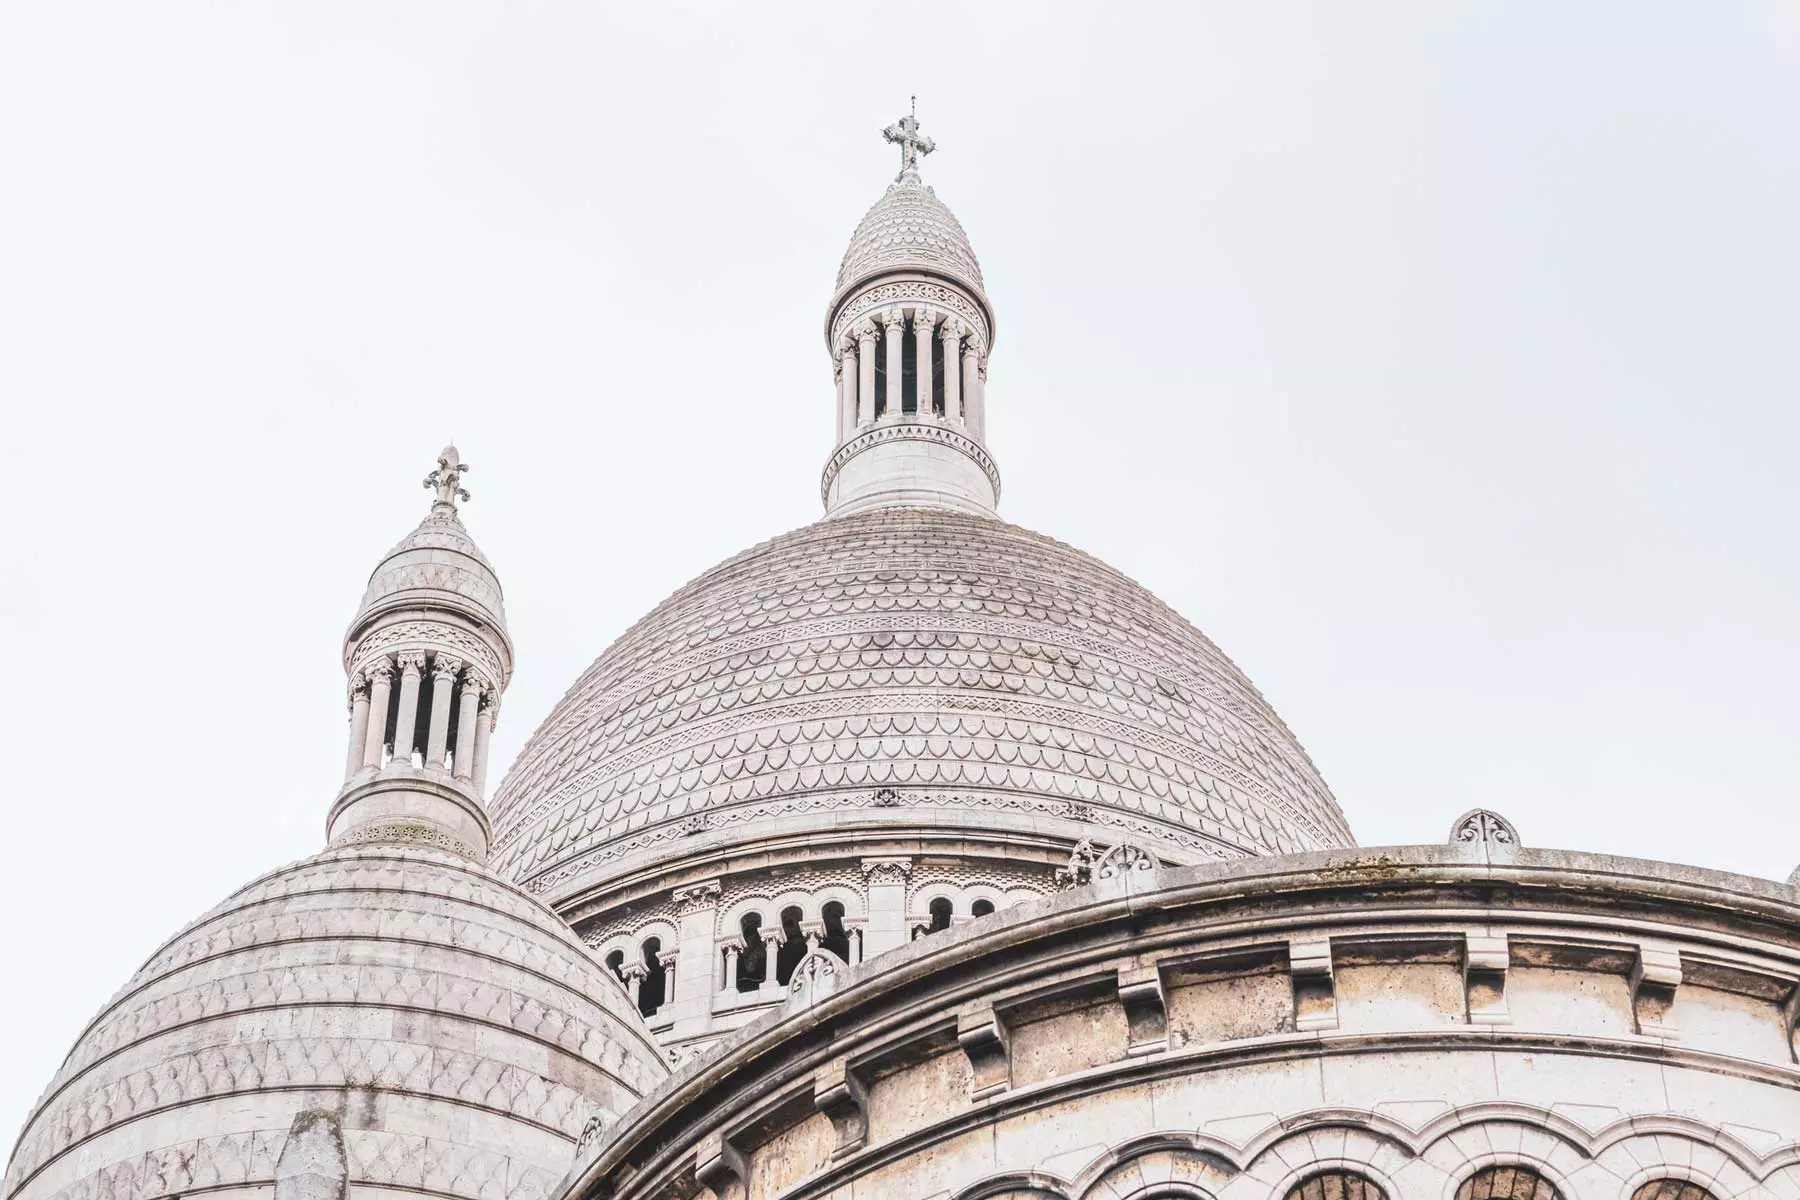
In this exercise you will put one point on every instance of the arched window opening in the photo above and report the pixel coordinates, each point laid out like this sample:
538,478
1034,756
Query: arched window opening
981,908
1336,1185
837,938
650,991
880,378
940,910
793,946
753,963
937,376
1507,1183
909,370
615,962
1672,1189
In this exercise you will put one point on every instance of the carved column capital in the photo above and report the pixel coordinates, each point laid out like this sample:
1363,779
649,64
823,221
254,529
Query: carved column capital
893,318
923,315
412,660
887,870
697,896
381,670
865,330
950,330
443,667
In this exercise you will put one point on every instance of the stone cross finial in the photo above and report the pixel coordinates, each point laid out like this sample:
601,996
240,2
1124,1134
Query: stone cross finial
447,479
904,133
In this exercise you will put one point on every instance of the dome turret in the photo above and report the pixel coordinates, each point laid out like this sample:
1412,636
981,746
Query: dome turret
427,658
909,327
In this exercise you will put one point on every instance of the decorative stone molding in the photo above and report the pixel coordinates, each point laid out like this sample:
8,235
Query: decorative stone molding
838,1092
1146,1010
718,1164
817,975
913,427
1124,858
408,832
907,293
983,1037
1486,957
1315,988
697,897
1484,825
1655,978
886,871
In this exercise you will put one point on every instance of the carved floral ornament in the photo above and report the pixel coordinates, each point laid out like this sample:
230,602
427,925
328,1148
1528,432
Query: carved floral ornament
857,317
1088,863
1484,825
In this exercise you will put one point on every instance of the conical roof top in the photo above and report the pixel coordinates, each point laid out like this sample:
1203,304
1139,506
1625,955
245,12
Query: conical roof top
910,228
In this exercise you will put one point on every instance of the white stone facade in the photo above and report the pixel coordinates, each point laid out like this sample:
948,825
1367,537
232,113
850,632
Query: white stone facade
948,863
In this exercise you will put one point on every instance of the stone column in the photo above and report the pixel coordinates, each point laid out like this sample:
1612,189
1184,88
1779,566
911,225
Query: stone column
973,397
895,321
634,973
846,381
887,904
924,320
771,984
465,726
484,728
381,685
733,950
951,334
865,373
359,726
667,960
412,664
444,670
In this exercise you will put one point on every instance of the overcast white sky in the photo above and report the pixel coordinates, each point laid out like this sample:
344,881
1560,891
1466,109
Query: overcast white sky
1437,359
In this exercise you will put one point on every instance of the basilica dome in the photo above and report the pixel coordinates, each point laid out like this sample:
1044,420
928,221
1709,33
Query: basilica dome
921,667
909,228
452,1033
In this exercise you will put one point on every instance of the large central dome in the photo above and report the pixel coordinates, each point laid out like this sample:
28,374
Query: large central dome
914,666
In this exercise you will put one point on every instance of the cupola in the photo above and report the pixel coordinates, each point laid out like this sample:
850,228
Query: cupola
909,329
427,658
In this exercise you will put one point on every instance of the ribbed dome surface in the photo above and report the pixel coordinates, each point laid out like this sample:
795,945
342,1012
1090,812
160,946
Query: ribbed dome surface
438,562
909,227
954,662
460,1029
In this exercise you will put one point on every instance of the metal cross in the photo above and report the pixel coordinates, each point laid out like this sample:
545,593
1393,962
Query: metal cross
904,133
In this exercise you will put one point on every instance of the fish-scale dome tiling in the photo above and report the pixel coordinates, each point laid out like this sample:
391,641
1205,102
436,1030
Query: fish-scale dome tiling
412,979
437,564
967,663
909,228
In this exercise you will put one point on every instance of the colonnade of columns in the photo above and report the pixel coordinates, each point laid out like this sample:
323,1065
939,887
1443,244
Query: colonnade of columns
962,398
372,698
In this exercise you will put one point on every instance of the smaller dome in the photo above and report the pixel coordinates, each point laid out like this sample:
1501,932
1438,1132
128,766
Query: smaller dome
910,228
463,1034
436,565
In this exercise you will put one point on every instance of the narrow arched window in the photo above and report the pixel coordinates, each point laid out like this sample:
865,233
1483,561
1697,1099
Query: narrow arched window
940,910
1507,1183
837,938
753,963
615,962
1336,1185
981,908
793,945
1672,1189
650,991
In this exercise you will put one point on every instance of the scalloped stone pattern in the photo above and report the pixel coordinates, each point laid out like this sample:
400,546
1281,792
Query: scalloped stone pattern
909,227
918,658
442,1012
439,555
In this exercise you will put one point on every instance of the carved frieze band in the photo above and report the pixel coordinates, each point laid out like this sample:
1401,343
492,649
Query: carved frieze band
909,293
913,431
415,636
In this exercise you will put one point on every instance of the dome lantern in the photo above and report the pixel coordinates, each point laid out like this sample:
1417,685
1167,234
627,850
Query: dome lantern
427,657
909,328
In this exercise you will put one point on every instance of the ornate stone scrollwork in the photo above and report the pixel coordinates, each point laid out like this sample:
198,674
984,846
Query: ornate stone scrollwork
1088,862
1484,825
818,972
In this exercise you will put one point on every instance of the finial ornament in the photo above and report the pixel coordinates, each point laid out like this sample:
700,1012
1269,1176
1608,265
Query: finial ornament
447,479
905,134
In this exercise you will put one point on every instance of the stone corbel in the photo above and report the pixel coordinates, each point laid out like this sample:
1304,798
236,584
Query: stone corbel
1315,990
1146,1010
1655,978
838,1092
982,1035
718,1163
1486,957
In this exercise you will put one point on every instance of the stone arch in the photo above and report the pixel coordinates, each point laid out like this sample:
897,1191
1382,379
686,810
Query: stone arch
732,915
1177,1164
1016,1185
1337,1181
1668,1186
1508,1178
855,902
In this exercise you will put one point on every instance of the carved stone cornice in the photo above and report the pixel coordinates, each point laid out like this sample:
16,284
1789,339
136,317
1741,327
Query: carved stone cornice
910,430
909,293
425,637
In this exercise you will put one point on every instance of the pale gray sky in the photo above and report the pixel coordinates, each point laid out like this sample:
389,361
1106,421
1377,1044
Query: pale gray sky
1437,359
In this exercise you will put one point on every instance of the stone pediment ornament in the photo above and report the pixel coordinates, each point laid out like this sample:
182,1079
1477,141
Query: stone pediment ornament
817,975
1088,862
1484,825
